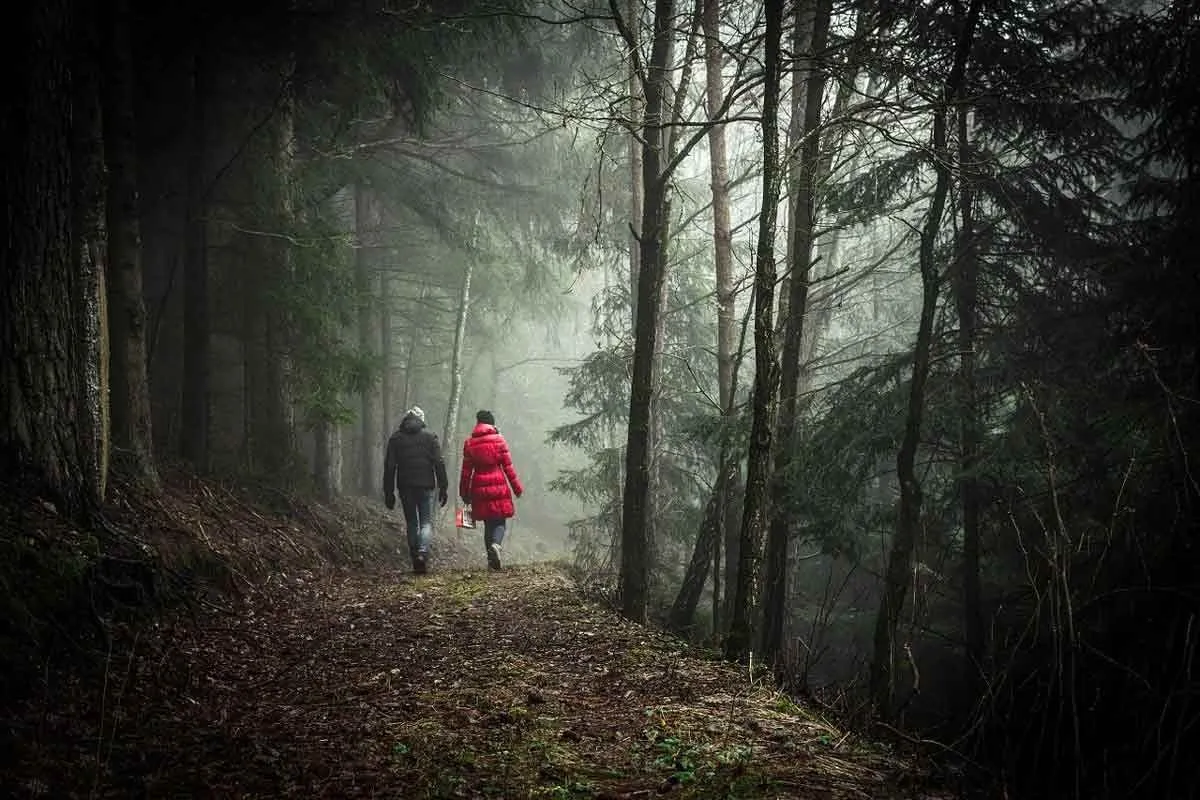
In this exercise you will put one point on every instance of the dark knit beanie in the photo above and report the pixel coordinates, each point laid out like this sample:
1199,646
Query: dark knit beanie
485,416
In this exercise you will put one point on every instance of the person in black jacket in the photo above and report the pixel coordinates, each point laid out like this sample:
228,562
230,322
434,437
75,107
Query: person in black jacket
414,469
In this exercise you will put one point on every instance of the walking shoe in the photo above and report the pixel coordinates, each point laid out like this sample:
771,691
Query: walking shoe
494,555
419,566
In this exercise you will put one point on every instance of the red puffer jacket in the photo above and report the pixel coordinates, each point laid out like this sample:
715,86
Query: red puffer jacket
487,472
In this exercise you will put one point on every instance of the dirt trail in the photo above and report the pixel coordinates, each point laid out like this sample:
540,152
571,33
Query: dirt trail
463,684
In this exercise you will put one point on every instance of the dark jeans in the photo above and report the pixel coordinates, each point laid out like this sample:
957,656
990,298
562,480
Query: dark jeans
493,533
417,505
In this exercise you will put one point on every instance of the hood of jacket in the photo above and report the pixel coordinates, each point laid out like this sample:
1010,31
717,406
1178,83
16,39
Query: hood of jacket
483,429
411,424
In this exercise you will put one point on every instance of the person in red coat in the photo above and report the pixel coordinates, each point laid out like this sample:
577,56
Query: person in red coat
487,475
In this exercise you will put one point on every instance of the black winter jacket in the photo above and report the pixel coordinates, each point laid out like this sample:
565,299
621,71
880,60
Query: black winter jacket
414,459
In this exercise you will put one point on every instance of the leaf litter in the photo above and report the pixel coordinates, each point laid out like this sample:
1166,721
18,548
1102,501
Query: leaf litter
345,676
459,684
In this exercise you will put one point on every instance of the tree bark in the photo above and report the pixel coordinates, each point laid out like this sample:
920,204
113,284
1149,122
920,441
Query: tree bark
716,517
811,33
651,283
49,411
370,421
636,194
450,428
713,527
898,571
270,445
723,263
131,423
327,467
743,626
89,237
708,538
194,427
387,393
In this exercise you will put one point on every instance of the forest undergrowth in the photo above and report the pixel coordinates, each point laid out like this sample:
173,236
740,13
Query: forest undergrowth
280,648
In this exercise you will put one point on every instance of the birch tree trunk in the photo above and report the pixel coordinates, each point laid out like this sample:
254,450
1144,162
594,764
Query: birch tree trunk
898,571
811,32
450,428
742,629
130,396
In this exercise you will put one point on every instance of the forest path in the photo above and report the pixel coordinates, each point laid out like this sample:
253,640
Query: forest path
459,684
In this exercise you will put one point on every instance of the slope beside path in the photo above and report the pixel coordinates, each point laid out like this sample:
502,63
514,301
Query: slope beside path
459,684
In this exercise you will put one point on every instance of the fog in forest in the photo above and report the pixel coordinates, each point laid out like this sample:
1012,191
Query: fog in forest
854,340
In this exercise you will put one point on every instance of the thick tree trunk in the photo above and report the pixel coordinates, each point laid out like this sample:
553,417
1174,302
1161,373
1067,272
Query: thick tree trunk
966,290
651,283
370,467
811,33
766,378
898,572
49,411
194,427
131,427
89,235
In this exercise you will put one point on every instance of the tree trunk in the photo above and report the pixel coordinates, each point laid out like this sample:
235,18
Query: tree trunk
651,283
683,610
723,263
327,467
811,29
898,571
387,394
966,291
269,414
450,427
194,426
48,428
637,199
410,363
131,427
89,236
717,616
766,378
636,196
708,541
369,467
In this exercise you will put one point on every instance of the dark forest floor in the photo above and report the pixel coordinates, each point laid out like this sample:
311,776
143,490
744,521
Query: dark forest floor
365,681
